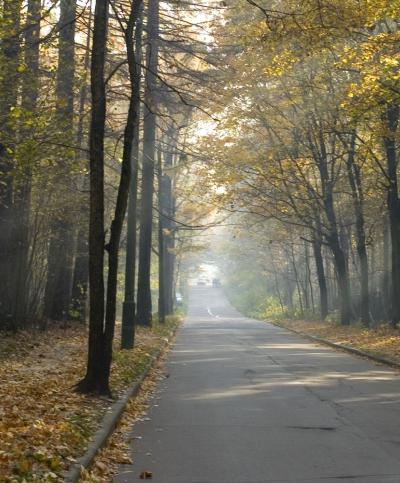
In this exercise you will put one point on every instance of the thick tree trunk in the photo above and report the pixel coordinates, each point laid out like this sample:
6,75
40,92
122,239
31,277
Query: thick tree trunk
30,93
60,259
144,303
128,311
346,314
9,84
107,336
391,121
96,378
123,189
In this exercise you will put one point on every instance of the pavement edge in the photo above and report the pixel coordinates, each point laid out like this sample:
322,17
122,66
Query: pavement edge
111,419
346,348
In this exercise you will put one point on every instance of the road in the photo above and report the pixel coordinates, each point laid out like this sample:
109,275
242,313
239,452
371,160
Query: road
248,402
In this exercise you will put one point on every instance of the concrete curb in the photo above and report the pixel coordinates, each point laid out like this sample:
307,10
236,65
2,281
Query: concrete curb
110,420
346,348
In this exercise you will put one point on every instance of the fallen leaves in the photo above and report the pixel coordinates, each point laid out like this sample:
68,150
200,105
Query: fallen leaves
146,475
381,341
44,424
118,449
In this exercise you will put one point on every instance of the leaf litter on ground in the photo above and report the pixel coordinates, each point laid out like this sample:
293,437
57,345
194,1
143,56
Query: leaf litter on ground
382,340
44,425
117,452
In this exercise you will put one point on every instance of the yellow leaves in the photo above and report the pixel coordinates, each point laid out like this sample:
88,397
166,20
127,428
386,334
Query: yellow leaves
44,425
390,61
101,466
280,64
117,451
21,68
383,340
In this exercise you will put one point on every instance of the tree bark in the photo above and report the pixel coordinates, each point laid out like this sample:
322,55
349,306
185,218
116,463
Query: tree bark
128,311
319,264
123,189
9,85
386,270
391,121
30,94
354,177
161,241
333,239
60,259
103,366
169,226
96,378
144,302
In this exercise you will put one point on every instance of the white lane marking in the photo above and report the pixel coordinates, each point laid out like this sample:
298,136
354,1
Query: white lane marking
212,315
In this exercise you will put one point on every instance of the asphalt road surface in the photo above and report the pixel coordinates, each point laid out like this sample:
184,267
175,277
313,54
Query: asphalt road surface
247,402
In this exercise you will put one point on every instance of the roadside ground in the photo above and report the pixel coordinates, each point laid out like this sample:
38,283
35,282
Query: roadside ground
44,425
117,451
381,341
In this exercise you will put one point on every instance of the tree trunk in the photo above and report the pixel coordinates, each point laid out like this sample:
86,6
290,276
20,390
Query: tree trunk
144,303
339,258
9,83
107,336
391,121
96,378
81,263
30,93
319,264
128,311
332,236
354,177
169,238
60,259
296,278
386,271
161,241
124,184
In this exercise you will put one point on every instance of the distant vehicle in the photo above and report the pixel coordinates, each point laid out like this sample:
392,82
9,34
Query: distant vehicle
216,282
202,280
179,298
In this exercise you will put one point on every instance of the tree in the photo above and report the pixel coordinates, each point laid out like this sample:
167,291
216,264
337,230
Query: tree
144,302
9,84
102,325
128,311
60,259
96,379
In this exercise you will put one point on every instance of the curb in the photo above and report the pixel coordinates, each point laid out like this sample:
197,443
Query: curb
345,348
109,422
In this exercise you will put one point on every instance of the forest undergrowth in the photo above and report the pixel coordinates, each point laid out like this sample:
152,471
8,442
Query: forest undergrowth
44,424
